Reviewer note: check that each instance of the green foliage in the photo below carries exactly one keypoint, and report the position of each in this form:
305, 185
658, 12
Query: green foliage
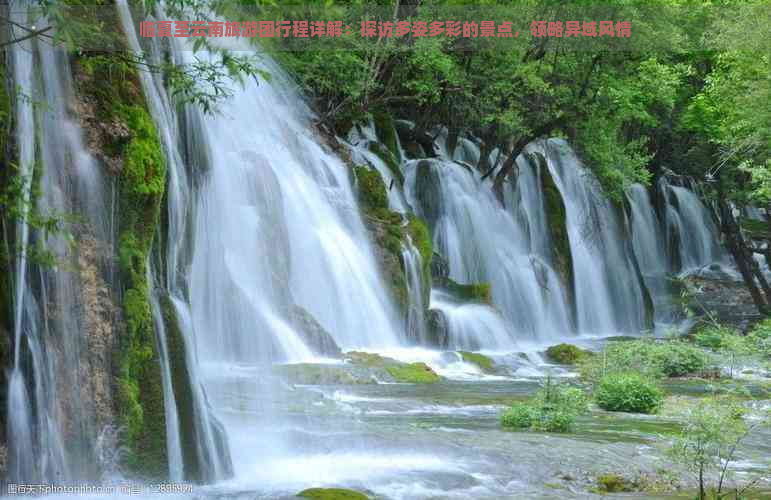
519, 416
709, 439
554, 408
566, 354
629, 392
656, 359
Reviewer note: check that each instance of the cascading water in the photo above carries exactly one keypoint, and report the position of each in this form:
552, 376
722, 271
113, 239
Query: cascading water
484, 243
609, 296
691, 234
650, 249
360, 140
472, 326
212, 462
416, 317
55, 385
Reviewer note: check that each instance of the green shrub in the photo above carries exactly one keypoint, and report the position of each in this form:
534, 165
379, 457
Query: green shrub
519, 416
553, 409
713, 337
651, 358
760, 339
629, 392
613, 483
554, 420
566, 354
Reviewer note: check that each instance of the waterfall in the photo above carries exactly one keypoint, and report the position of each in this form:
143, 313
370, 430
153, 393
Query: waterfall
213, 465
270, 224
413, 270
55, 388
472, 326
609, 296
21, 452
360, 139
691, 234
483, 242
173, 445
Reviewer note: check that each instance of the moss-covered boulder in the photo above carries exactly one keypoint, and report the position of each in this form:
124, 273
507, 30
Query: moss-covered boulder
393, 370
613, 483
567, 354
474, 292
332, 494
484, 363
413, 373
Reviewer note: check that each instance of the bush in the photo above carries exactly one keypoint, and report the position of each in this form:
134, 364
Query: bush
519, 416
553, 409
629, 392
650, 358
554, 420
713, 337
566, 354
613, 483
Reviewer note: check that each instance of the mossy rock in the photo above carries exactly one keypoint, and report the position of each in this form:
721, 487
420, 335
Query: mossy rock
371, 191
369, 359
332, 494
413, 373
567, 354
123, 136
474, 292
483, 362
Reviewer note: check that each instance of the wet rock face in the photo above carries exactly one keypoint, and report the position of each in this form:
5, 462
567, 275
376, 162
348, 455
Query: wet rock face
437, 327
719, 294
428, 191
313, 334
99, 314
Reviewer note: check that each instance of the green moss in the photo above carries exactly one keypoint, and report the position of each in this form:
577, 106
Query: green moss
126, 136
483, 362
372, 193
5, 109
613, 483
413, 373
332, 494
567, 354
370, 359
475, 292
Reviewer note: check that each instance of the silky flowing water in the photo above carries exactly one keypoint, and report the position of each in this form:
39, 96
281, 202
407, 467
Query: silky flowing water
262, 221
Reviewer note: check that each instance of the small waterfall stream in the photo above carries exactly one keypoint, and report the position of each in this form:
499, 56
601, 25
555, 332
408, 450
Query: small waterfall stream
64, 290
